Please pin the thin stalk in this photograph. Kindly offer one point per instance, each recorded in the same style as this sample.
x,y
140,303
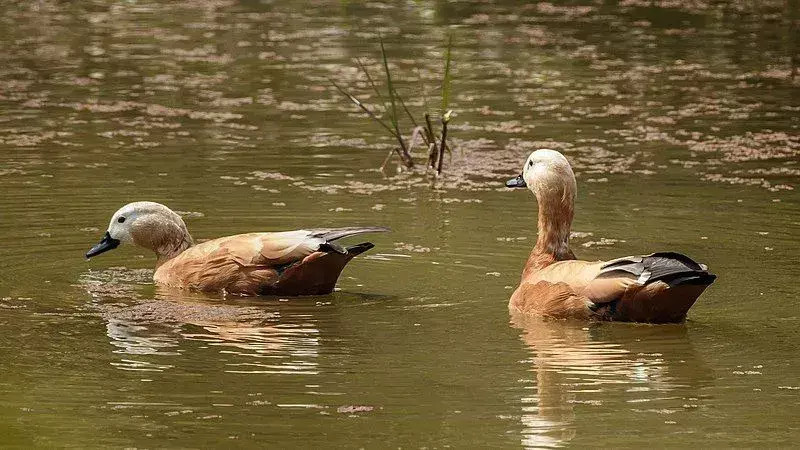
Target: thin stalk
x,y
358,103
403,104
413,121
446,78
382,100
432,155
372,82
418,132
432,139
445,120
405,156
386,161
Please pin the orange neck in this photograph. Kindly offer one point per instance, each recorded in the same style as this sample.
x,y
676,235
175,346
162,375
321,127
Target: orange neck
x,y
556,210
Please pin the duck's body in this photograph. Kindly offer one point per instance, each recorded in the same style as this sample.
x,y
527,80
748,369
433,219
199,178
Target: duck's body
x,y
283,263
302,262
656,288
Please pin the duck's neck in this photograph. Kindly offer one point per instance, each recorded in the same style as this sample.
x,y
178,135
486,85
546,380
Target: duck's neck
x,y
167,240
170,249
556,210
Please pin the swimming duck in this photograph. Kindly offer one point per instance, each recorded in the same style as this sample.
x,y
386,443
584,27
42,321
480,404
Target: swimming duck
x,y
302,262
656,288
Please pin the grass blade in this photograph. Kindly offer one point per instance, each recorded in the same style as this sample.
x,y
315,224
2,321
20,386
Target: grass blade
x,y
413,121
443,143
407,160
358,103
393,116
403,104
371,82
432,141
447,77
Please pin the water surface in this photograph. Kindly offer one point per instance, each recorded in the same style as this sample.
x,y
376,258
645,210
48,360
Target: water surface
x,y
681,124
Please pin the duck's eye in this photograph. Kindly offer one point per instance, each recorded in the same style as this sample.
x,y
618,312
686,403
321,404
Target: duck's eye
x,y
530,163
121,220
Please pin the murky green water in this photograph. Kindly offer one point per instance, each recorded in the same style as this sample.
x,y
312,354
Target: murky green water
x,y
681,123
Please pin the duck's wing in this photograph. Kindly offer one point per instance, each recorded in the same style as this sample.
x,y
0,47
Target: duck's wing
x,y
281,249
302,262
660,287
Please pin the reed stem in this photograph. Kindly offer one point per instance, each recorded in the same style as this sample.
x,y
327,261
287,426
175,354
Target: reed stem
x,y
442,144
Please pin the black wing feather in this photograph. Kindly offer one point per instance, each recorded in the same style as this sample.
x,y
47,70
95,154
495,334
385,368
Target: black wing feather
x,y
670,267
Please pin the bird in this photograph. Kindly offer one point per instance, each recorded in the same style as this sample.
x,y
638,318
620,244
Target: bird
x,y
287,263
655,288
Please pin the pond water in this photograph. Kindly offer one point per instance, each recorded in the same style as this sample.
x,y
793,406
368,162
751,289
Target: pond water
x,y
680,119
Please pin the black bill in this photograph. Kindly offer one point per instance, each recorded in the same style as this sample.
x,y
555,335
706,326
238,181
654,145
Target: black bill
x,y
105,244
517,182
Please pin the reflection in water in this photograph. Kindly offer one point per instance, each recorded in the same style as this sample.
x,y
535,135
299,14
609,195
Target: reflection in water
x,y
279,348
590,364
126,336
261,339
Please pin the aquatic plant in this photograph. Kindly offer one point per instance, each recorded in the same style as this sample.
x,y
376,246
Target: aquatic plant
x,y
426,132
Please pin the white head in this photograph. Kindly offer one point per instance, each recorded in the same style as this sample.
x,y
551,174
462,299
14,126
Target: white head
x,y
549,176
547,173
147,224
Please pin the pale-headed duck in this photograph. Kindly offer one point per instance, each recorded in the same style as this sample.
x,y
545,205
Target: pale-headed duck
x,y
656,288
302,262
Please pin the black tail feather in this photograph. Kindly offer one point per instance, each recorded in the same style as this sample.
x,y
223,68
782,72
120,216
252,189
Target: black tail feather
x,y
353,250
358,249
332,234
694,278
332,247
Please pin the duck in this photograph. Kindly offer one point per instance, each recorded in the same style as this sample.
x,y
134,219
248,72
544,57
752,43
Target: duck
x,y
655,288
286,263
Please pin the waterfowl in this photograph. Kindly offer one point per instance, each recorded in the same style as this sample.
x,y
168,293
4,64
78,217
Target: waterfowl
x,y
302,262
655,288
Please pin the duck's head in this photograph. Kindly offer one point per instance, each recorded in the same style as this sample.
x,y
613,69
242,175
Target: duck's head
x,y
546,173
147,224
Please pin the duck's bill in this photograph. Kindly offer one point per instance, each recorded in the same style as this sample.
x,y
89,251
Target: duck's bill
x,y
105,244
517,182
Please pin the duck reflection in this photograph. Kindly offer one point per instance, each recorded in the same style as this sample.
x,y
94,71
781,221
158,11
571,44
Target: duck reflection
x,y
251,335
591,364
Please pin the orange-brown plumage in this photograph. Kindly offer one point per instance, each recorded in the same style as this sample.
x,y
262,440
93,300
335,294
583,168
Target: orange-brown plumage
x,y
302,262
655,288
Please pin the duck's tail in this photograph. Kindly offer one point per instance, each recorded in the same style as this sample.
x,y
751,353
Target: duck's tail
x,y
317,273
355,250
668,283
329,235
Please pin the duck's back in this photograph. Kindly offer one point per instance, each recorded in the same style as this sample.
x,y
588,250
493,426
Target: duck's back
x,y
574,272
239,264
660,287
302,262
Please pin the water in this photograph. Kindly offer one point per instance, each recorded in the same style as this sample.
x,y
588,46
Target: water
x,y
681,123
